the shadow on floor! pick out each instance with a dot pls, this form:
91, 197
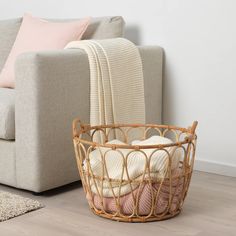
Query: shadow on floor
48, 193
61, 190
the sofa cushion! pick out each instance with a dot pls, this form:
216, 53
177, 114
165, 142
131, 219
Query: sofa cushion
35, 35
105, 28
8, 32
7, 114
100, 28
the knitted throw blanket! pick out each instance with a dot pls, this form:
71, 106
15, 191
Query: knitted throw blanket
116, 81
136, 163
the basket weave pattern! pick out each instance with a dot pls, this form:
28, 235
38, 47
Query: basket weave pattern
151, 196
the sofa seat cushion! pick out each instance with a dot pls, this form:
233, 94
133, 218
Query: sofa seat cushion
7, 114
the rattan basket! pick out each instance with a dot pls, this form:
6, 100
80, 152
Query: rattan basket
152, 196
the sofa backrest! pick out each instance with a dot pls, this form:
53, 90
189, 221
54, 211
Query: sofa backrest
100, 28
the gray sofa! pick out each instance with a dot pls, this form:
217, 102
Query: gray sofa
52, 88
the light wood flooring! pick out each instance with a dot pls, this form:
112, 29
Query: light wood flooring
210, 209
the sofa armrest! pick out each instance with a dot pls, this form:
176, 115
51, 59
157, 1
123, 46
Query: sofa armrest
152, 59
52, 88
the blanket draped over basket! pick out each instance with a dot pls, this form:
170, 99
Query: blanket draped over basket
116, 81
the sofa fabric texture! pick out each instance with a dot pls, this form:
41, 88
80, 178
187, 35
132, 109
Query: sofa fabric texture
7, 114
8, 32
7, 162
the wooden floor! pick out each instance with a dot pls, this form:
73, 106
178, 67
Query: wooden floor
210, 209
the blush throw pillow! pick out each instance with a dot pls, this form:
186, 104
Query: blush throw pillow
36, 34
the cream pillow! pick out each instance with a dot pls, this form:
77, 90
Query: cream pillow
36, 34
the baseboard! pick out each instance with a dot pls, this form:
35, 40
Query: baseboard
215, 167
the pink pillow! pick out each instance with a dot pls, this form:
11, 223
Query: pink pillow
36, 34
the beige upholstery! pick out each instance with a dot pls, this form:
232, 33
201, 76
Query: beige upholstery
152, 58
7, 113
52, 88
8, 32
7, 163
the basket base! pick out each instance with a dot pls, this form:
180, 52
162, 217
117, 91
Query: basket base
137, 219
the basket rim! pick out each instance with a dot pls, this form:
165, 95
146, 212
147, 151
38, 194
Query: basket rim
86, 127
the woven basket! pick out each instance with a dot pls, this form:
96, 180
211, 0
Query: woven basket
152, 196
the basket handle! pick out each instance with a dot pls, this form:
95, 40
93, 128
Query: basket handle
82, 127
193, 127
191, 131
74, 126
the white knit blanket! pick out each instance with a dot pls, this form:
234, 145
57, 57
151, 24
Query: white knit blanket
116, 81
137, 165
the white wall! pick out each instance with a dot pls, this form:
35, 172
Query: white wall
199, 38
